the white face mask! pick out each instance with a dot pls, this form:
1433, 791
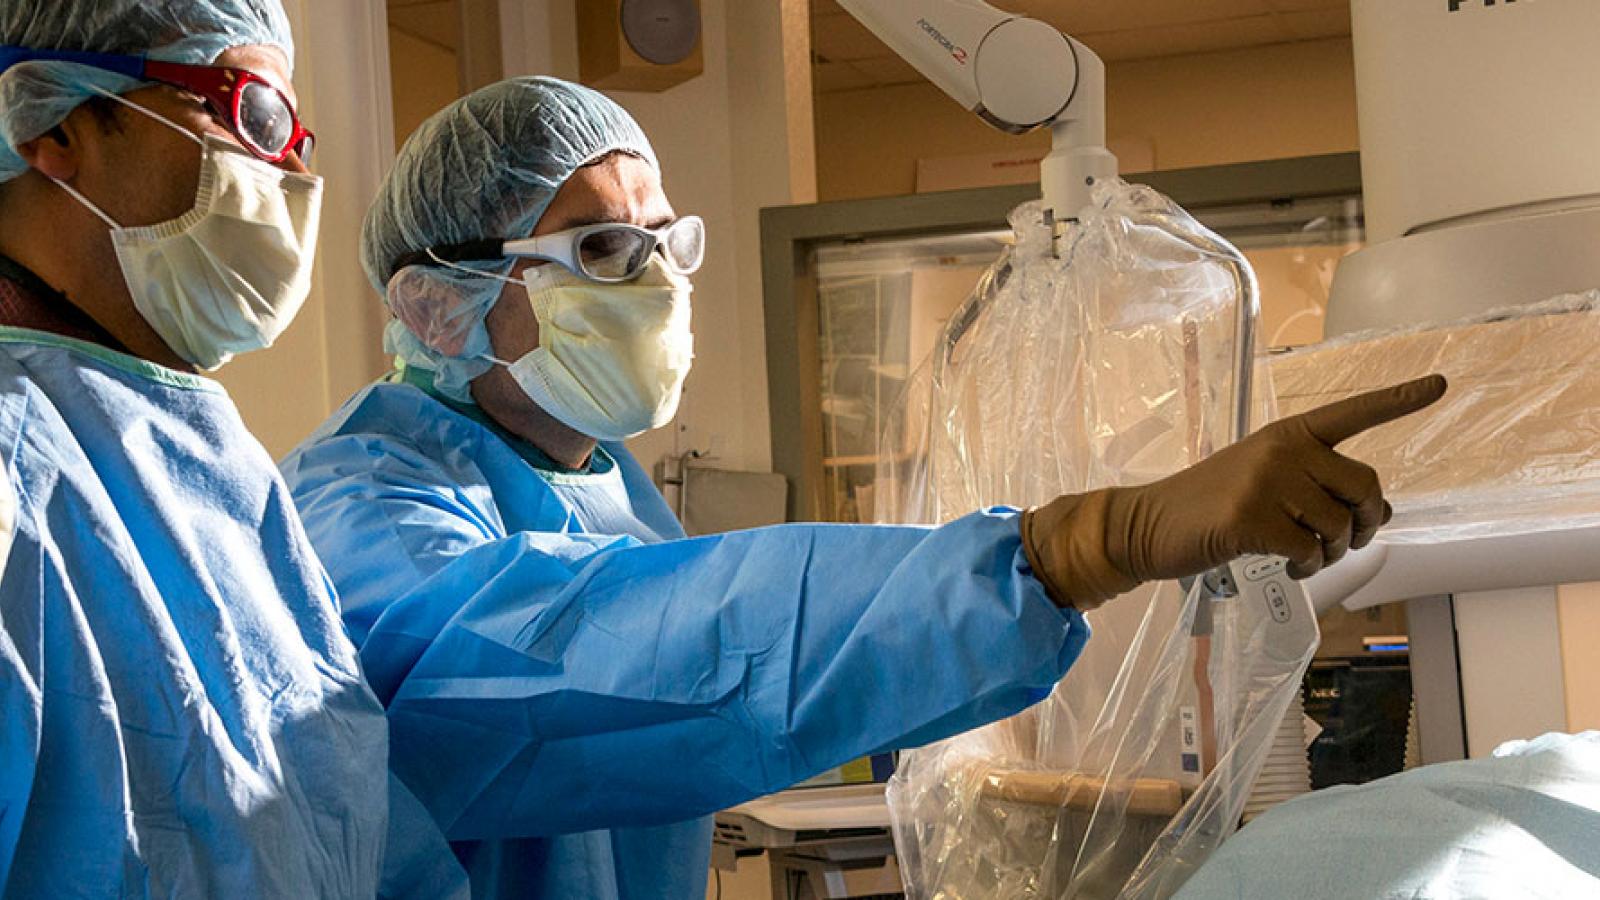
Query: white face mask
612, 358
229, 275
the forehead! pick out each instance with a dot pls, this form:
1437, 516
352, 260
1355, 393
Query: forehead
618, 175
262, 59
620, 188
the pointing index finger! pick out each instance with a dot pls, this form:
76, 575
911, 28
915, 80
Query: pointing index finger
1338, 422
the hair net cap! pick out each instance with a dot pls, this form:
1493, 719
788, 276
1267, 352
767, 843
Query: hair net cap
487, 166
36, 96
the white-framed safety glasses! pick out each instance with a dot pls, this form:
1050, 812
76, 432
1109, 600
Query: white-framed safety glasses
609, 252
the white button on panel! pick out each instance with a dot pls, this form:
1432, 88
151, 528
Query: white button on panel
1265, 568
1277, 602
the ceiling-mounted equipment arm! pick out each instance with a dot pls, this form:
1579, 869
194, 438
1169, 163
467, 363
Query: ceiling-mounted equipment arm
1015, 73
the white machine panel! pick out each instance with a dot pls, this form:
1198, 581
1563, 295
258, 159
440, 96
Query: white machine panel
1473, 106
1454, 273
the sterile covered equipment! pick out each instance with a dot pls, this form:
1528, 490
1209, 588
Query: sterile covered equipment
1117, 354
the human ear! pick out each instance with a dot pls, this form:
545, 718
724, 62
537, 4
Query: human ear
58, 153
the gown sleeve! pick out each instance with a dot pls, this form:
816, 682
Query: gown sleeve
541, 682
21, 688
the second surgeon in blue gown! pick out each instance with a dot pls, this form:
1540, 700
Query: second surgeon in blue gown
573, 685
556, 659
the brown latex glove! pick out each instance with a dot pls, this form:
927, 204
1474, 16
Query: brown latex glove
1283, 491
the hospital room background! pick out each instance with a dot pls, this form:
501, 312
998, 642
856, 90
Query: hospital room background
792, 106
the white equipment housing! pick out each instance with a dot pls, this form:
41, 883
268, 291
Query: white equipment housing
1479, 123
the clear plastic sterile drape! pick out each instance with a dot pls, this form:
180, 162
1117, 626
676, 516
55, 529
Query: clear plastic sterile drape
1107, 355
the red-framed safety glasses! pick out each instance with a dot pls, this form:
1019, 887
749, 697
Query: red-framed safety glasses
259, 114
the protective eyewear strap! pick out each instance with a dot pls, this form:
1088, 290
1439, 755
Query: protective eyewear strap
110, 95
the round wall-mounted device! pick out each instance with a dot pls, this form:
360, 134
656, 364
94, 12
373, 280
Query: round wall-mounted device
663, 32
639, 45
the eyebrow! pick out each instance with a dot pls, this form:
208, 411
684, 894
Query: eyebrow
583, 221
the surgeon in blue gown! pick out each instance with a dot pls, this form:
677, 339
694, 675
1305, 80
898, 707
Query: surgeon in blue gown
572, 685
181, 711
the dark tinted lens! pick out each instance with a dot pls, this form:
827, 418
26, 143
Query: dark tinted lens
686, 244
613, 252
265, 118
305, 148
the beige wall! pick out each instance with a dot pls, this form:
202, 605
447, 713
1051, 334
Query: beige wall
1270, 102
426, 79
1579, 608
1294, 284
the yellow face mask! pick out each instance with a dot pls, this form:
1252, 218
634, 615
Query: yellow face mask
612, 358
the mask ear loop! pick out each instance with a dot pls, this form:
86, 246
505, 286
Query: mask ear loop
77, 195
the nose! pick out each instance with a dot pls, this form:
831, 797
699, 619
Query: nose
293, 163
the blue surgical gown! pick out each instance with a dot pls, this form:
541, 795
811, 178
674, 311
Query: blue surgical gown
573, 686
181, 712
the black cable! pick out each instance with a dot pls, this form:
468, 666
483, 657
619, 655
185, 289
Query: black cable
719, 883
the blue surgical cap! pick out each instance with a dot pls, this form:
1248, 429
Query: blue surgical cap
486, 166
37, 96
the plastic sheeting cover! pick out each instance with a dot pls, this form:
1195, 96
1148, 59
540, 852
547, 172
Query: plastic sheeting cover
1106, 358
1513, 448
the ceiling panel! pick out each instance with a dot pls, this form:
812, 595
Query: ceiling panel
1199, 37
1079, 18
840, 37
839, 76
1318, 23
1301, 5
435, 21
887, 70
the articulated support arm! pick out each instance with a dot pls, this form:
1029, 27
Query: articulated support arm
1015, 73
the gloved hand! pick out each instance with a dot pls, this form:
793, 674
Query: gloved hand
1282, 491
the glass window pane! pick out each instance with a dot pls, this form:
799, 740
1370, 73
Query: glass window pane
882, 305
